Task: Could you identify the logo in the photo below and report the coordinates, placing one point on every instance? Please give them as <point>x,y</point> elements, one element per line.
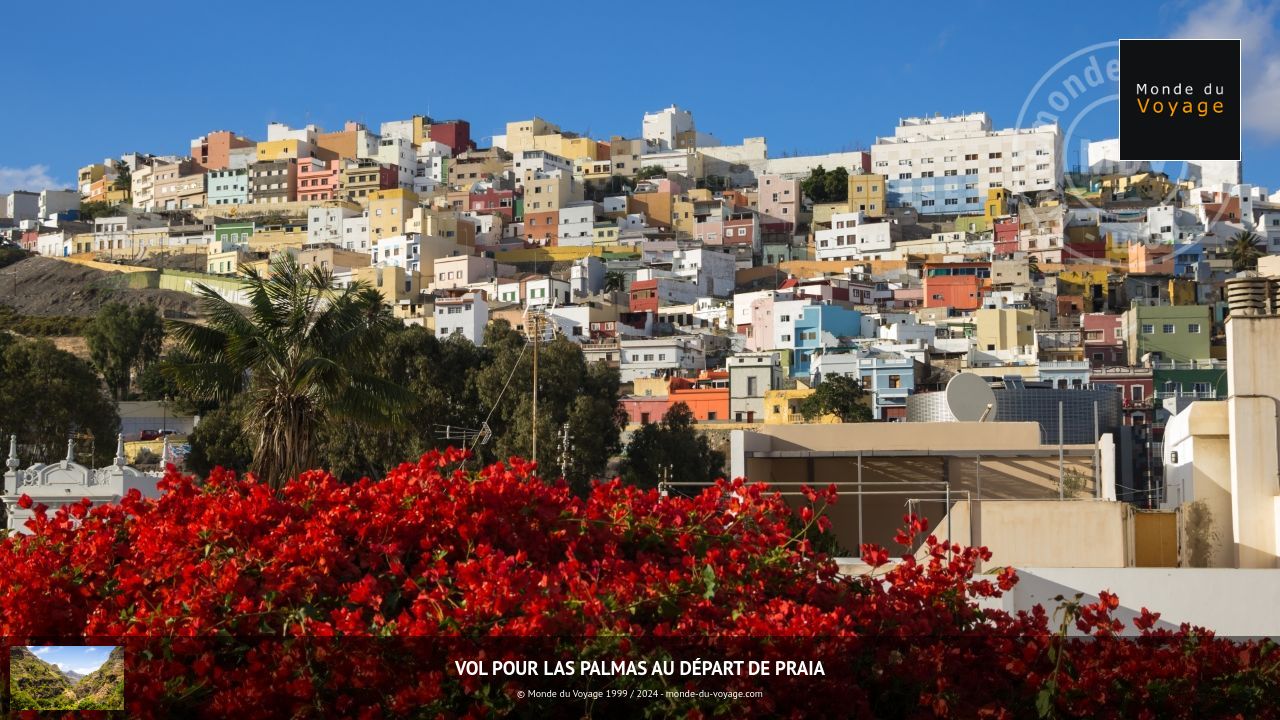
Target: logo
<point>1180,98</point>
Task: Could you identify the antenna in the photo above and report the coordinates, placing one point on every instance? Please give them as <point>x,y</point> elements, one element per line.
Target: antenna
<point>970,398</point>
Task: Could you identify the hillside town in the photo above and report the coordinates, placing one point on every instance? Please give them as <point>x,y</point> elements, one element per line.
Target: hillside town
<point>1090,298</point>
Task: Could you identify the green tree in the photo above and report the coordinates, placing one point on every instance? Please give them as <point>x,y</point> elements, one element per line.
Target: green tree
<point>671,449</point>
<point>838,395</point>
<point>90,211</point>
<point>823,187</point>
<point>651,171</point>
<point>220,441</point>
<point>45,394</point>
<point>304,353</point>
<point>614,281</point>
<point>124,340</point>
<point>571,391</point>
<point>1244,249</point>
<point>124,176</point>
<point>438,375</point>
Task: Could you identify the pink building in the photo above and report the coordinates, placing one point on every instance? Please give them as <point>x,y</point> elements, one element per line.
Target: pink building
<point>317,180</point>
<point>779,201</point>
<point>760,332</point>
<point>1104,339</point>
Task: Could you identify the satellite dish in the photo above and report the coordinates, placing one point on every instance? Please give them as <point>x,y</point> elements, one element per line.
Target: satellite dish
<point>970,398</point>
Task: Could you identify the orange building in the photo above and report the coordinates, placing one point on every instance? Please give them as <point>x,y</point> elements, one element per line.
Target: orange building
<point>542,228</point>
<point>213,151</point>
<point>1155,259</point>
<point>956,285</point>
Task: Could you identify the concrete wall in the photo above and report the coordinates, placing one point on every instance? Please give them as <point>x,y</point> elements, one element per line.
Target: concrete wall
<point>1045,533</point>
<point>1200,482</point>
<point>1253,374</point>
<point>1180,595</point>
<point>933,455</point>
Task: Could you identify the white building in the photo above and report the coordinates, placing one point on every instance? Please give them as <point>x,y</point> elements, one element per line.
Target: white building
<point>1104,159</point>
<point>714,272</point>
<point>665,127</point>
<point>577,224</point>
<point>460,271</point>
<point>53,202</point>
<point>324,223</point>
<point>403,251</point>
<point>23,205</point>
<point>465,315</point>
<point>654,357</point>
<point>751,375</point>
<point>851,237</point>
<point>946,165</point>
<point>62,483</point>
<point>355,232</point>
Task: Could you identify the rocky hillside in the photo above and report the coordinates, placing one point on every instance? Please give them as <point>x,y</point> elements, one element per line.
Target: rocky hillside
<point>103,689</point>
<point>36,684</point>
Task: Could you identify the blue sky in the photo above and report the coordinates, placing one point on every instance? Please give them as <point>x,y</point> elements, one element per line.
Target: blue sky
<point>87,80</point>
<point>82,659</point>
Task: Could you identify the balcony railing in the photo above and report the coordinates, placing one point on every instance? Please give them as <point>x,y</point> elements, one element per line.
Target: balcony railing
<point>1210,394</point>
<point>1189,365</point>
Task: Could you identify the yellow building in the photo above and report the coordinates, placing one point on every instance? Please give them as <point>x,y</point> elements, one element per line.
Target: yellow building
<point>867,194</point>
<point>605,234</point>
<point>390,212</point>
<point>274,238</point>
<point>283,149</point>
<point>997,204</point>
<point>521,134</point>
<point>395,284</point>
<point>1078,280</point>
<point>1148,186</point>
<point>88,175</point>
<point>782,407</point>
<point>1006,328</point>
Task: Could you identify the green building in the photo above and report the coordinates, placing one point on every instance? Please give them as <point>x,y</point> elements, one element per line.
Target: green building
<point>232,234</point>
<point>1179,333</point>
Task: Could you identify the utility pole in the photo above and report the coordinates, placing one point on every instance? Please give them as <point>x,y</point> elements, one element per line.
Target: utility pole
<point>564,451</point>
<point>534,317</point>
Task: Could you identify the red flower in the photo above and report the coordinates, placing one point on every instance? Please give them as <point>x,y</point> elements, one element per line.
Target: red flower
<point>25,502</point>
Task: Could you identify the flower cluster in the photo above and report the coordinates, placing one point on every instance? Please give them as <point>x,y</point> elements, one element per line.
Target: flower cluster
<point>335,600</point>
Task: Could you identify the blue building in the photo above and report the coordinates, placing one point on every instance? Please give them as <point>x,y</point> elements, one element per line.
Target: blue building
<point>888,378</point>
<point>822,326</point>
<point>946,195</point>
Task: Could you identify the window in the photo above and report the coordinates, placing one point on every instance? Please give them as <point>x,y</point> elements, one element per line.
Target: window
<point>971,171</point>
<point>904,176</point>
<point>949,173</point>
<point>1119,332</point>
<point>711,415</point>
<point>973,156</point>
<point>895,381</point>
<point>995,169</point>
<point>952,201</point>
<point>927,174</point>
<point>1193,328</point>
<point>1167,328</point>
<point>1202,389</point>
<point>1136,392</point>
<point>1148,329</point>
<point>993,156</point>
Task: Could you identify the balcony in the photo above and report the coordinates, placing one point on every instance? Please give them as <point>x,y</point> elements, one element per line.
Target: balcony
<point>1189,365</point>
<point>1210,394</point>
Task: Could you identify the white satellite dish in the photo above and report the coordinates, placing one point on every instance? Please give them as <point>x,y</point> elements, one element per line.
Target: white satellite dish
<point>970,398</point>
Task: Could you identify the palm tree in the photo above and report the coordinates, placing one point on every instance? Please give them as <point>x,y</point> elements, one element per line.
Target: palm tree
<point>1244,249</point>
<point>302,352</point>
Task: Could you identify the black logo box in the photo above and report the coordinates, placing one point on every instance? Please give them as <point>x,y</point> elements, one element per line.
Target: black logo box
<point>1186,68</point>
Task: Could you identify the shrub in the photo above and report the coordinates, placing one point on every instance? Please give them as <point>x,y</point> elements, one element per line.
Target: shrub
<point>333,600</point>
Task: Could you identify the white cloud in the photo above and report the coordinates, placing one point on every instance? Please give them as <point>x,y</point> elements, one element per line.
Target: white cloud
<point>42,650</point>
<point>1254,24</point>
<point>34,178</point>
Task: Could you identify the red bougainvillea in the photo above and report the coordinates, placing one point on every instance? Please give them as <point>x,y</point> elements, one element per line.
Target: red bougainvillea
<point>333,600</point>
